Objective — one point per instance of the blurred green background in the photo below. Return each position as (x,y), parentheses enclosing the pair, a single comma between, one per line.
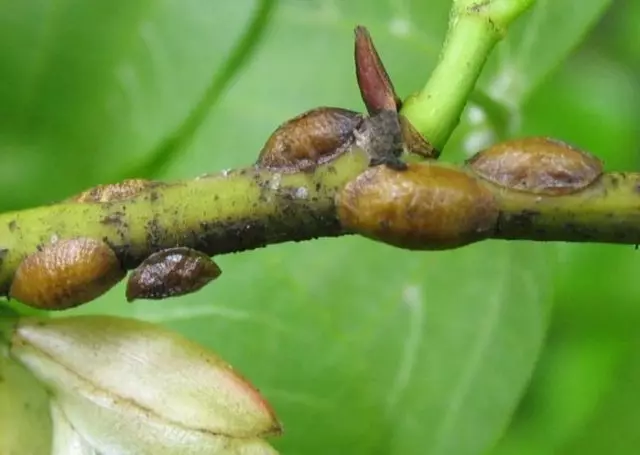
(498,348)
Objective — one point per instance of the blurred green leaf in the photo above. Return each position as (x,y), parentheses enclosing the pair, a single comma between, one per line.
(25,426)
(594,103)
(91,86)
(537,44)
(614,428)
(366,349)
(361,348)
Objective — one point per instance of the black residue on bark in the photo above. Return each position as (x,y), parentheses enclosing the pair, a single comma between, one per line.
(155,235)
(293,218)
(519,221)
(525,225)
(115,219)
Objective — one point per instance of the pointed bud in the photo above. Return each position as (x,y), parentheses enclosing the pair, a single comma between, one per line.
(131,387)
(375,85)
(378,93)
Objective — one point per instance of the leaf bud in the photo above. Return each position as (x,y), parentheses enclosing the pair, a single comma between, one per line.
(131,387)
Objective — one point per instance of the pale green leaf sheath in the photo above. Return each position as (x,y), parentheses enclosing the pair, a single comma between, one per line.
(25,425)
(123,387)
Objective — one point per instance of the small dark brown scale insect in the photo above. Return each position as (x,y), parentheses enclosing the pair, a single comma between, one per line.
(66,274)
(537,165)
(114,191)
(170,273)
(425,207)
(310,139)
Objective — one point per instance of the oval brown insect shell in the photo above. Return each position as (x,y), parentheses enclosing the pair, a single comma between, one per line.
(537,165)
(170,273)
(66,274)
(425,207)
(114,191)
(309,139)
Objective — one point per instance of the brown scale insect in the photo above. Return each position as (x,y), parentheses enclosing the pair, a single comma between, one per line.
(66,273)
(114,191)
(321,134)
(310,139)
(537,165)
(425,207)
(171,272)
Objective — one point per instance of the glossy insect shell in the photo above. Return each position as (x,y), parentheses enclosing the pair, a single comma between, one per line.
(309,139)
(66,274)
(171,272)
(426,207)
(537,165)
(114,191)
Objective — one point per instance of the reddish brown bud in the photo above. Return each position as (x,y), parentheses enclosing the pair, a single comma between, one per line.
(170,273)
(374,82)
(66,274)
(114,191)
(537,165)
(309,139)
(426,207)
(378,93)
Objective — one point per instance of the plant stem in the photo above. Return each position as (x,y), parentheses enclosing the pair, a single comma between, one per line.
(250,208)
(222,213)
(475,28)
(607,211)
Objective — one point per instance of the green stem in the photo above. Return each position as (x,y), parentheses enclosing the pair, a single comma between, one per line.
(227,212)
(607,211)
(250,208)
(474,30)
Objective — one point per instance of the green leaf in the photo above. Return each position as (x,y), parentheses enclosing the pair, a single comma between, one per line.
(361,348)
(605,124)
(24,408)
(95,85)
(596,289)
(614,427)
(370,349)
(537,44)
